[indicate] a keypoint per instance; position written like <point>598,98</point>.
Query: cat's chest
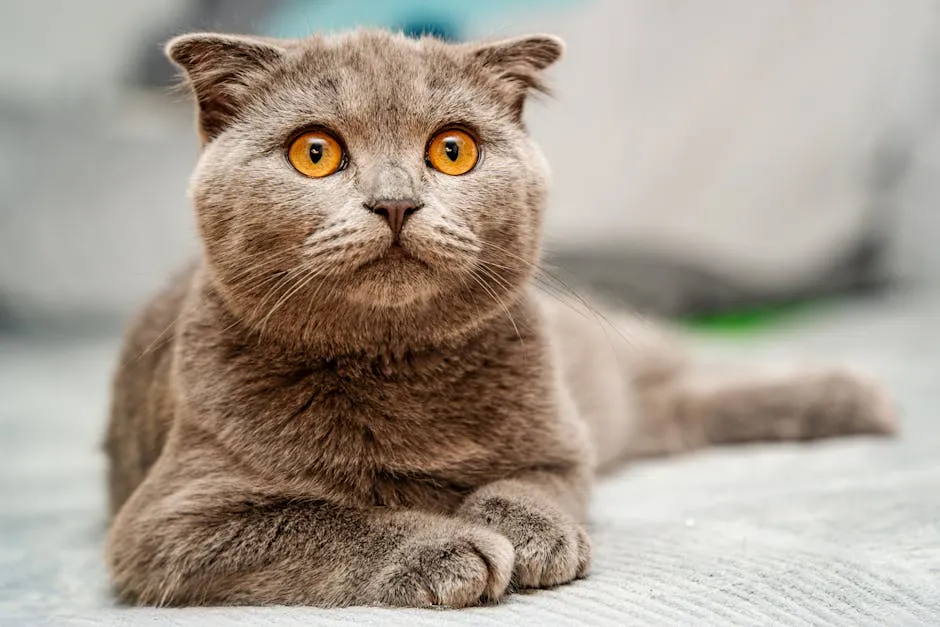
<point>397,426</point>
<point>413,442</point>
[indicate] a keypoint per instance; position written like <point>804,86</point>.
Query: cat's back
<point>142,398</point>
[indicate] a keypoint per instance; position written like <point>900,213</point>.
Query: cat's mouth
<point>396,255</point>
<point>397,252</point>
<point>394,276</point>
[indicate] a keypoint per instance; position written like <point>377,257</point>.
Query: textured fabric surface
<point>835,533</point>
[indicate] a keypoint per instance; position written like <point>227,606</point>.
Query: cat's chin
<point>394,280</point>
<point>390,295</point>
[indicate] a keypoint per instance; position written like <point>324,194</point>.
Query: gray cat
<point>357,396</point>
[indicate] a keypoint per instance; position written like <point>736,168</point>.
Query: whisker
<point>499,302</point>
<point>507,286</point>
<point>302,281</point>
<point>598,316</point>
<point>255,267</point>
<point>316,294</point>
<point>186,311</point>
<point>153,344</point>
<point>283,282</point>
<point>501,281</point>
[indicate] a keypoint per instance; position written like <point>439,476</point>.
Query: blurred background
<point>764,170</point>
<point>732,155</point>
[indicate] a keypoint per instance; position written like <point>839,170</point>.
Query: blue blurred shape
<point>442,18</point>
<point>418,26</point>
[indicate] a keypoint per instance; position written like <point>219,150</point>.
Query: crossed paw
<point>499,543</point>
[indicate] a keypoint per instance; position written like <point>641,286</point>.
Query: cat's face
<point>366,170</point>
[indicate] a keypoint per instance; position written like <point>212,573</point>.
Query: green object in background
<point>743,321</point>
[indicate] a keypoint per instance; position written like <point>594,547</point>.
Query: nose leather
<point>395,211</point>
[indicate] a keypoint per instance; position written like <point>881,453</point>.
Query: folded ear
<point>223,71</point>
<point>519,62</point>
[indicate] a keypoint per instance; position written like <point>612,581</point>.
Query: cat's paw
<point>846,403</point>
<point>448,567</point>
<point>551,547</point>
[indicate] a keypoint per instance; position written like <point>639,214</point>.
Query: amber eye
<point>453,152</point>
<point>316,154</point>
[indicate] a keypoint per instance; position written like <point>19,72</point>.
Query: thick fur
<point>312,415</point>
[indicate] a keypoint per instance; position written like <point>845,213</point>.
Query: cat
<point>358,395</point>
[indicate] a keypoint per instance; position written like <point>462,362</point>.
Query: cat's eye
<point>453,152</point>
<point>316,154</point>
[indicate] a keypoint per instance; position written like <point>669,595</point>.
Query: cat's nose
<point>395,212</point>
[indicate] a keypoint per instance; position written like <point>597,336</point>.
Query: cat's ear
<point>519,62</point>
<point>223,71</point>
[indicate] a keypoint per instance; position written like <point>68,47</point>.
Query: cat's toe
<point>852,403</point>
<point>471,567</point>
<point>584,552</point>
<point>554,554</point>
<point>551,547</point>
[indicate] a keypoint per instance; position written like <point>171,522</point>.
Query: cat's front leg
<point>190,539</point>
<point>542,514</point>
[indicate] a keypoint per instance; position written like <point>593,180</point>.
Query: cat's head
<point>366,173</point>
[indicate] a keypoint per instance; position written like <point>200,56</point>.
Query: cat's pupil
<point>451,149</point>
<point>316,152</point>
